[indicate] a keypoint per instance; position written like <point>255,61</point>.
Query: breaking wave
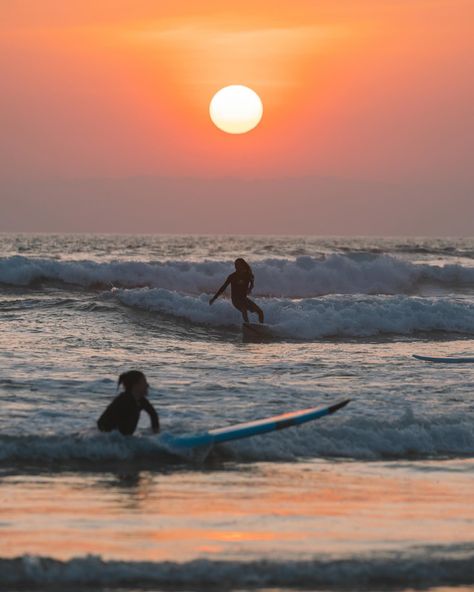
<point>434,565</point>
<point>353,437</point>
<point>314,318</point>
<point>352,273</point>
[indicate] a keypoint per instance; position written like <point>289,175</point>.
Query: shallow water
<point>376,496</point>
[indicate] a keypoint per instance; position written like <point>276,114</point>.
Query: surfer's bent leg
<point>252,307</point>
<point>242,308</point>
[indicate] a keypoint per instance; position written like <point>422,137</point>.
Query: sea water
<point>377,496</point>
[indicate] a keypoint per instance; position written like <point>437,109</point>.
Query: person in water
<point>124,411</point>
<point>241,284</point>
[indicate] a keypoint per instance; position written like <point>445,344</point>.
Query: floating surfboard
<point>444,360</point>
<point>249,429</point>
<point>257,331</point>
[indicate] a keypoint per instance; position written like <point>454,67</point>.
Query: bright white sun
<point>236,109</point>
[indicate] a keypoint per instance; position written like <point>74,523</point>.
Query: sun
<point>236,109</point>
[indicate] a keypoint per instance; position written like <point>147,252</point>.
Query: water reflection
<point>262,510</point>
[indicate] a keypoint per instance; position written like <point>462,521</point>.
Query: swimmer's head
<point>134,382</point>
<point>242,266</point>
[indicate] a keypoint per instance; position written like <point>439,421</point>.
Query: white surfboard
<point>206,440</point>
<point>448,360</point>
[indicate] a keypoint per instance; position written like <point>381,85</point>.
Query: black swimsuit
<point>123,414</point>
<point>239,288</point>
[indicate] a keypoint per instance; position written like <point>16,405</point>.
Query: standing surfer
<point>241,284</point>
<point>124,411</point>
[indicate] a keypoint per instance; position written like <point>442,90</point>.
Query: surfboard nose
<point>337,406</point>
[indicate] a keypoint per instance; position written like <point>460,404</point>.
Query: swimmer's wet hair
<point>128,379</point>
<point>244,264</point>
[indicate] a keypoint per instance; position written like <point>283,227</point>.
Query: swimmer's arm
<point>155,420</point>
<point>220,290</point>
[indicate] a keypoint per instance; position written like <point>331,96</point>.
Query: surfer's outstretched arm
<point>220,290</point>
<point>155,420</point>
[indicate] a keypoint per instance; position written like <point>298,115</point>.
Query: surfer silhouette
<point>124,411</point>
<point>241,284</point>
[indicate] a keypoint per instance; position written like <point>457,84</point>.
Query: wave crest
<point>354,437</point>
<point>417,567</point>
<point>314,318</point>
<point>303,277</point>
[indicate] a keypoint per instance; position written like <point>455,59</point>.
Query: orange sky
<point>376,90</point>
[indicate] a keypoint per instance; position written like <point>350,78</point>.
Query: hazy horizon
<point>306,206</point>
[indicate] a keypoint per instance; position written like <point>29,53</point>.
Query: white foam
<point>313,318</point>
<point>291,278</point>
<point>364,438</point>
<point>417,567</point>
<point>87,446</point>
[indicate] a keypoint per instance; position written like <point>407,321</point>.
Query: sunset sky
<point>368,124</point>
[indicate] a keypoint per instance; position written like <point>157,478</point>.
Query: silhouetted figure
<point>124,411</point>
<point>241,284</point>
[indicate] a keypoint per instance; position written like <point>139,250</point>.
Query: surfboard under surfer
<point>124,411</point>
<point>241,284</point>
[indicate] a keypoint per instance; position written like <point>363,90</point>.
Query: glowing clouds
<point>236,109</point>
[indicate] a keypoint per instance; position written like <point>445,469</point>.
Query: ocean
<point>377,496</point>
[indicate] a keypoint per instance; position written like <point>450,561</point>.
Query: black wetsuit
<point>124,412</point>
<point>240,285</point>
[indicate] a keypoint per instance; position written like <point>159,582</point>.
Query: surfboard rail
<point>253,428</point>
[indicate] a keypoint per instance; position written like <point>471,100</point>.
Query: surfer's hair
<point>244,265</point>
<point>130,378</point>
